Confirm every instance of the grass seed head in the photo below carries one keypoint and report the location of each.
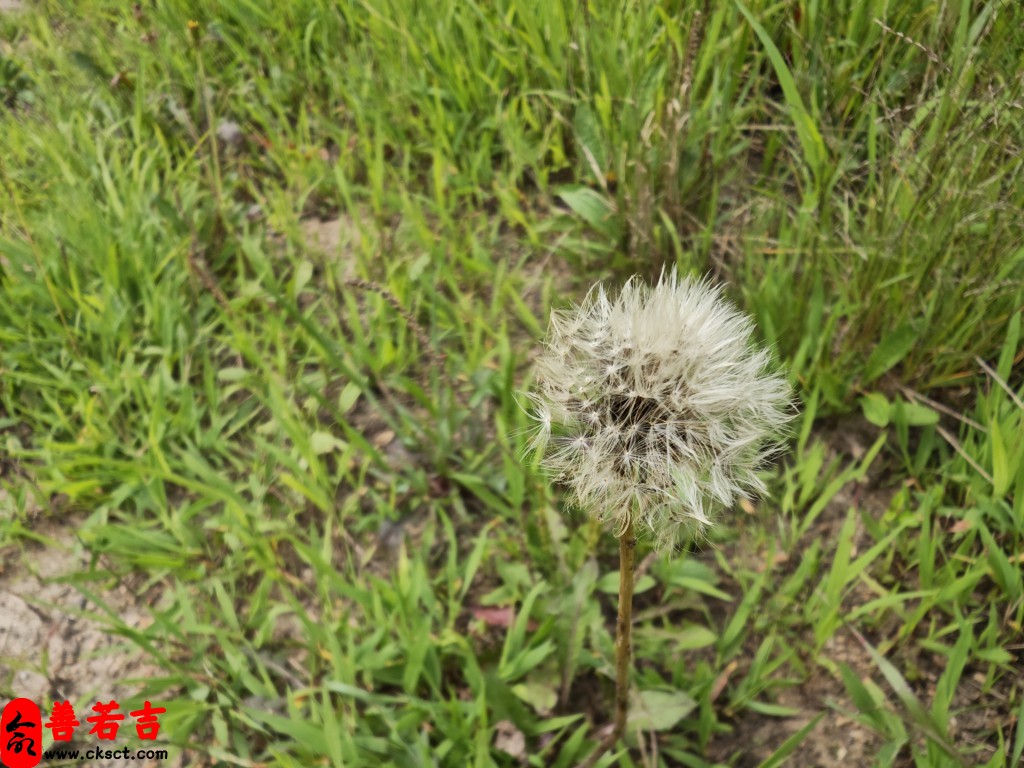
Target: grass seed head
(655, 406)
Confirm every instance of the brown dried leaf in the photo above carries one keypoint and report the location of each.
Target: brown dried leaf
(498, 616)
(510, 740)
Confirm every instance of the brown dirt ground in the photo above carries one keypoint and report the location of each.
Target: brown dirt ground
(53, 647)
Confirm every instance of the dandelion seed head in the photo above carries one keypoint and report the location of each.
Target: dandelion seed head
(656, 407)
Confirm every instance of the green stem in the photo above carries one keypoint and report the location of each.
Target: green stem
(623, 646)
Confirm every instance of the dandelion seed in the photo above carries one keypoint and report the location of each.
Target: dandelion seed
(677, 407)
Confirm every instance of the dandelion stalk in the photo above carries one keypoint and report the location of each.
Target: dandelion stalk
(655, 410)
(623, 646)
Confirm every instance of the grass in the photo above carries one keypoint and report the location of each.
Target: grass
(312, 458)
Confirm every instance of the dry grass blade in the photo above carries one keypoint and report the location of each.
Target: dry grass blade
(914, 395)
(966, 457)
(998, 380)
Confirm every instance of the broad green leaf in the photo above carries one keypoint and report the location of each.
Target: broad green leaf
(539, 694)
(609, 584)
(325, 442)
(914, 414)
(588, 133)
(695, 636)
(687, 582)
(875, 408)
(893, 348)
(994, 655)
(1001, 475)
(303, 274)
(659, 710)
(590, 206)
(349, 394)
(1010, 347)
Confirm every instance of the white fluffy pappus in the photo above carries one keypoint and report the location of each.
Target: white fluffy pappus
(655, 406)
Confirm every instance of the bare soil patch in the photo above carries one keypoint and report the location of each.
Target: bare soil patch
(54, 647)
